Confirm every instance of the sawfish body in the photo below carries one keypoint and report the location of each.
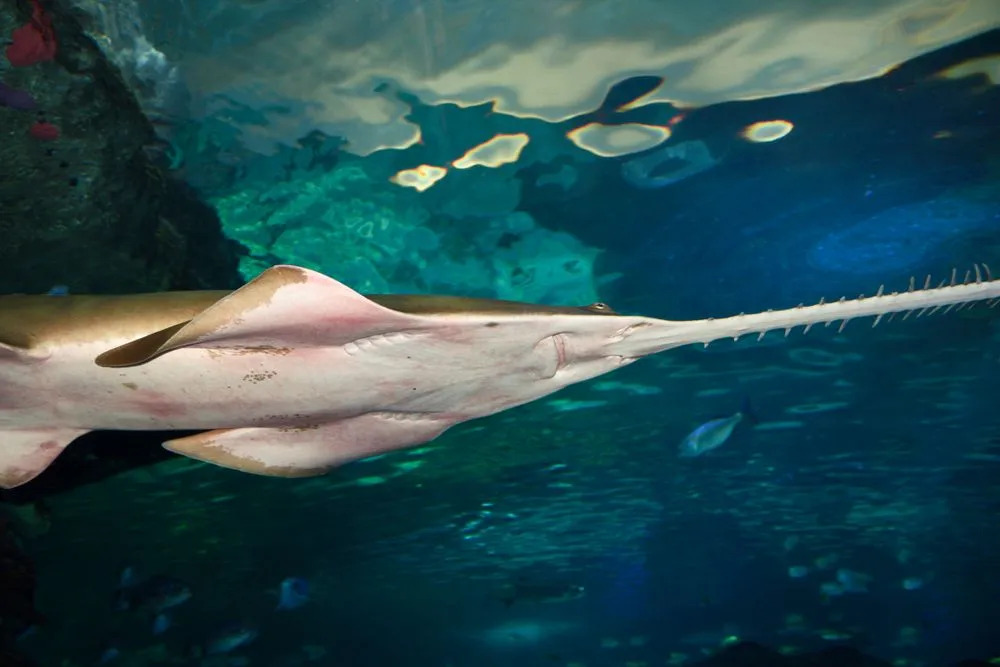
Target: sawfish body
(295, 373)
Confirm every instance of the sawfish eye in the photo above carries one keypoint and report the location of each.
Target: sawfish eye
(600, 307)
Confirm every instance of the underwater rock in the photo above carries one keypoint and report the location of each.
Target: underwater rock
(378, 237)
(17, 597)
(82, 204)
(12, 98)
(118, 30)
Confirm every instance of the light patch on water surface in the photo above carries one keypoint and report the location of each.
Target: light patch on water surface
(987, 66)
(500, 150)
(339, 68)
(617, 140)
(419, 178)
(766, 131)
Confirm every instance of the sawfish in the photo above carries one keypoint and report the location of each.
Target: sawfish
(295, 373)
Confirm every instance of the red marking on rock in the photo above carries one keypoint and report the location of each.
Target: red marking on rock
(35, 41)
(44, 131)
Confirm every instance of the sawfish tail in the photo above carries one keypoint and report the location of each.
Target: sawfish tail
(649, 336)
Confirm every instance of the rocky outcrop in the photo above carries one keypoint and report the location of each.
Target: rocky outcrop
(82, 201)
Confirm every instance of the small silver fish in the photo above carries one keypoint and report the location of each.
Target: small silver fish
(712, 433)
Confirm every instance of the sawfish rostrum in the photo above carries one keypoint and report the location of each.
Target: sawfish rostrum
(295, 373)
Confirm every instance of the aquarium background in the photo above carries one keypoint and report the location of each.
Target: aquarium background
(674, 160)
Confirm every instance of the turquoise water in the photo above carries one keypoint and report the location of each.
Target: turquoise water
(858, 507)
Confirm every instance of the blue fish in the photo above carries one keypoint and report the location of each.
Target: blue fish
(161, 624)
(109, 654)
(58, 290)
(228, 638)
(713, 433)
(293, 594)
(154, 594)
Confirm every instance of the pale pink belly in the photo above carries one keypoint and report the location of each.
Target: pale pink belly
(193, 389)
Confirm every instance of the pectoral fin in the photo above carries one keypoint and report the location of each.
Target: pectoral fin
(25, 454)
(285, 306)
(312, 450)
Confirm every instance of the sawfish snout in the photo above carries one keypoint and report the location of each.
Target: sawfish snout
(640, 336)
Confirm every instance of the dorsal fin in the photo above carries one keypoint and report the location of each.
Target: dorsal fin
(282, 307)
